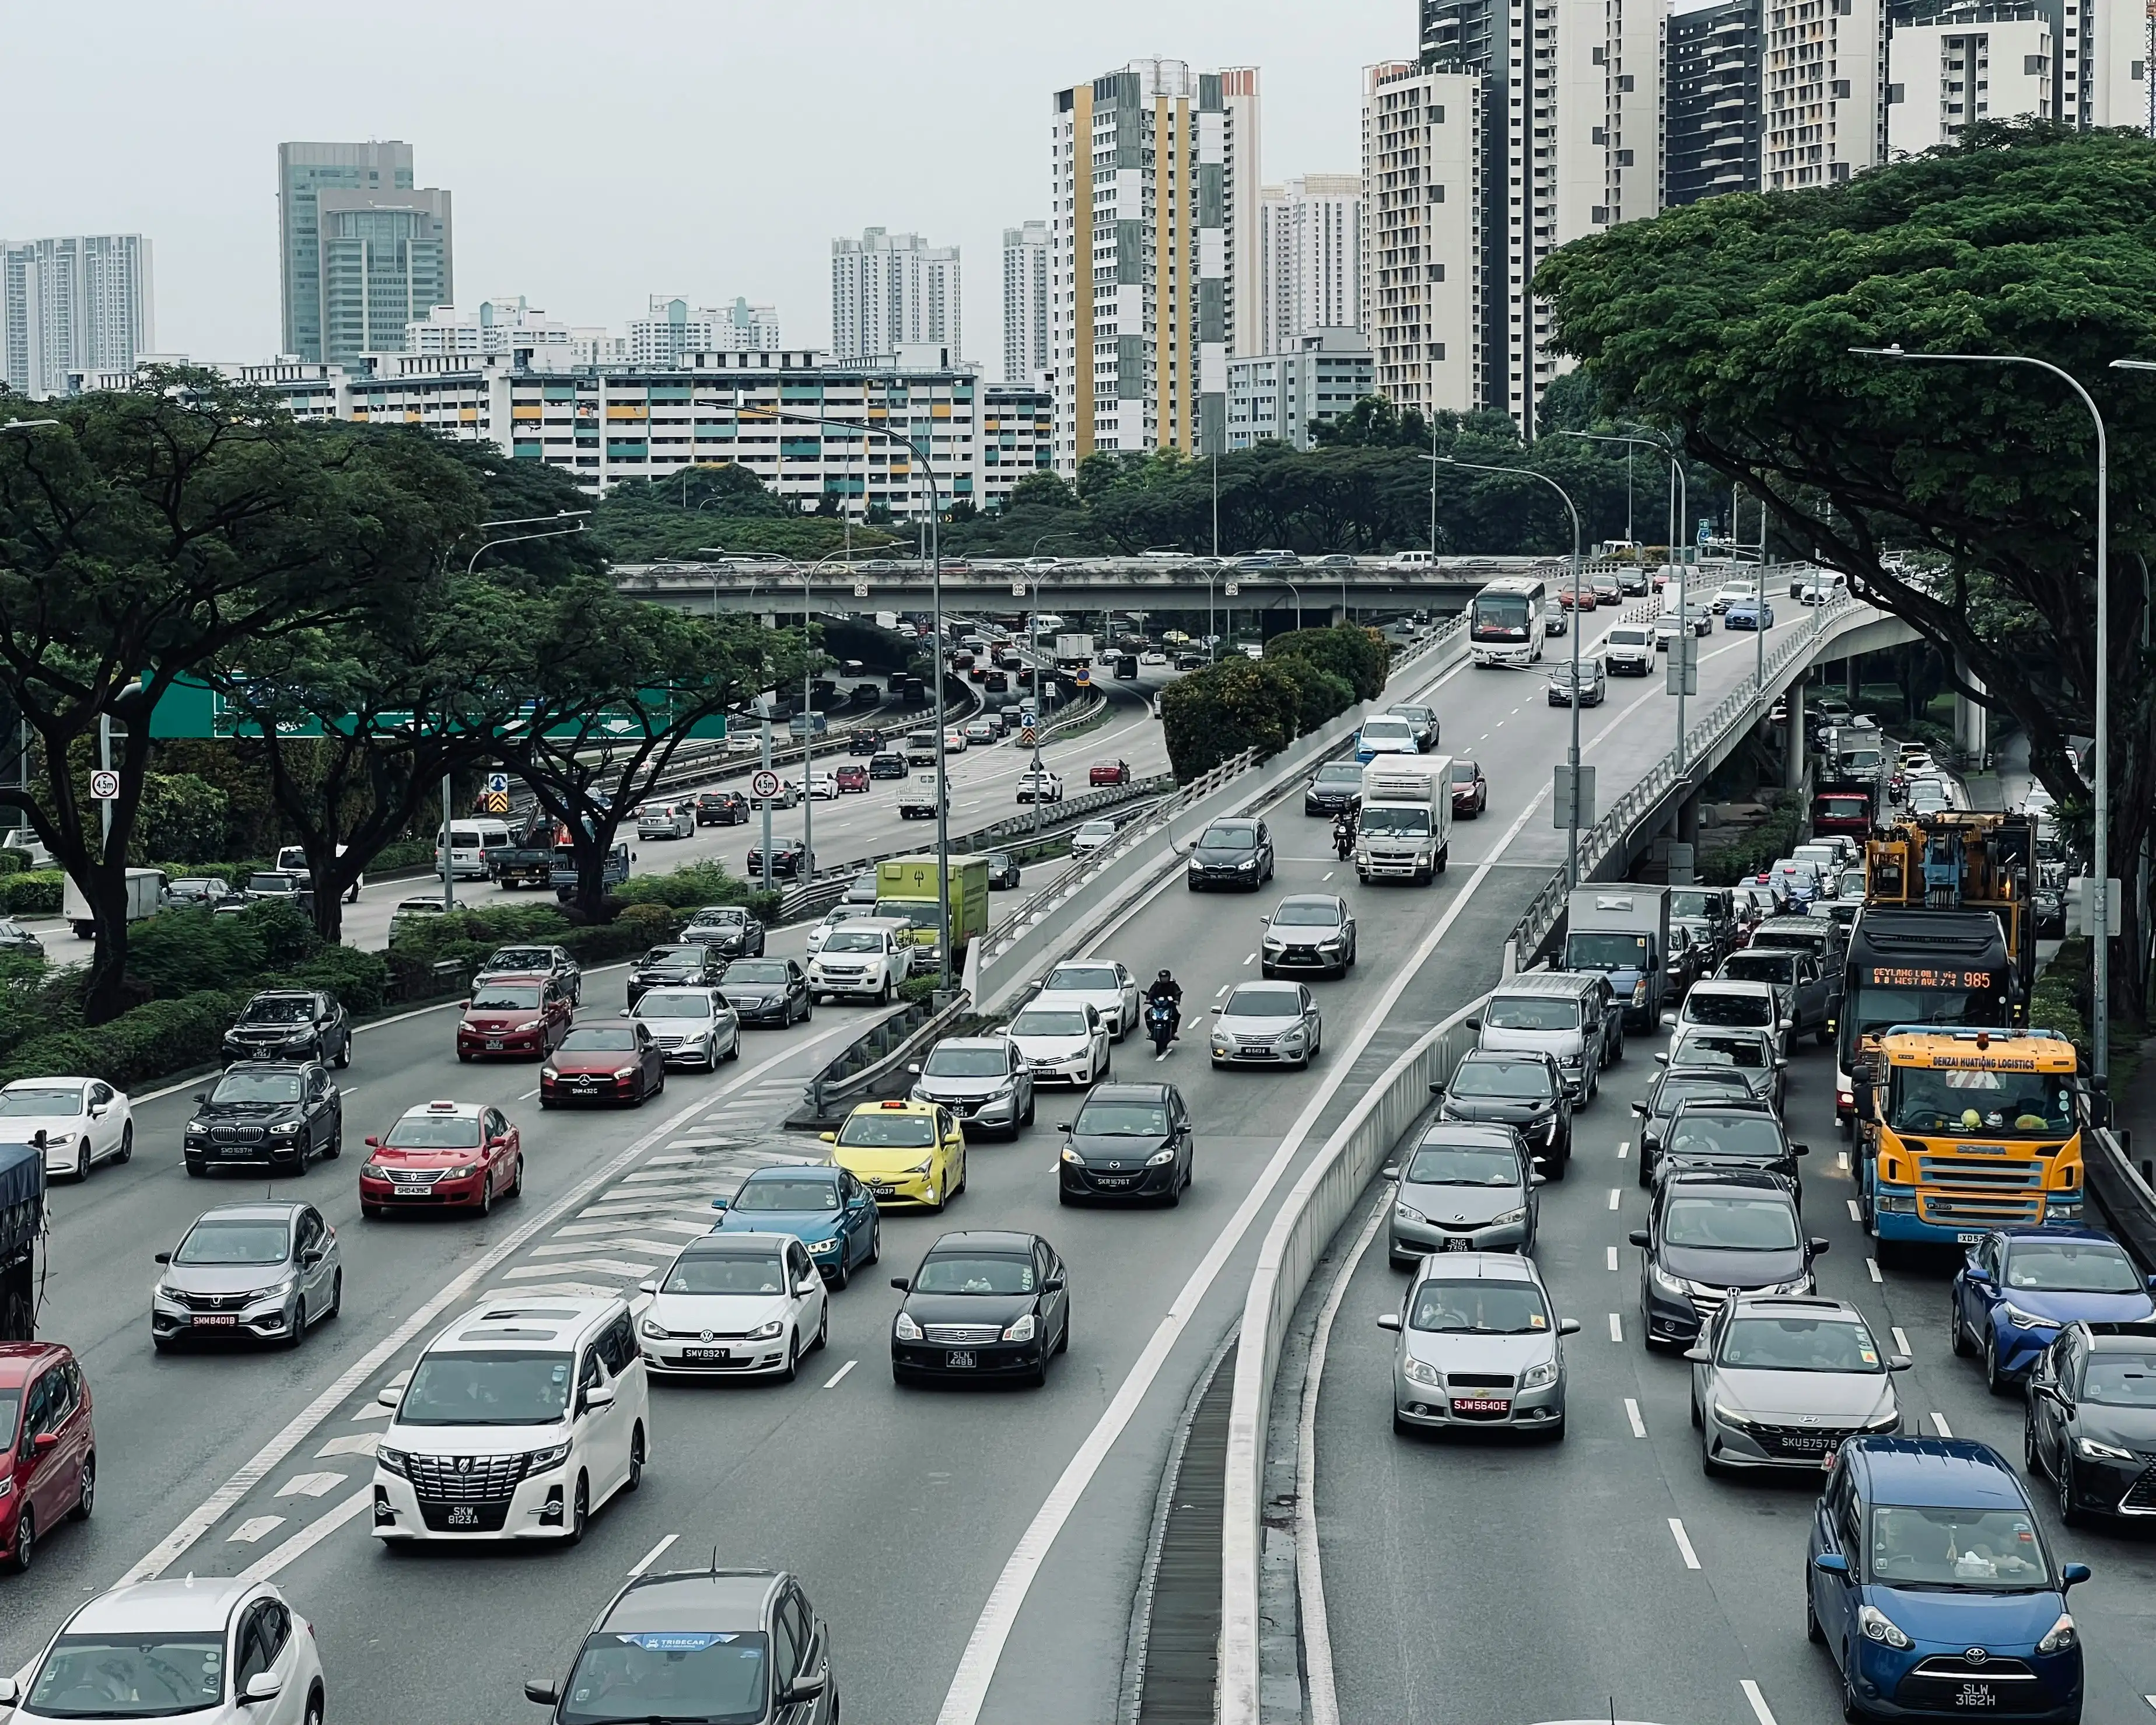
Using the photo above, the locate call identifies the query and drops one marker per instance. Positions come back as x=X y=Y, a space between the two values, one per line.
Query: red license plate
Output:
x=1480 y=1404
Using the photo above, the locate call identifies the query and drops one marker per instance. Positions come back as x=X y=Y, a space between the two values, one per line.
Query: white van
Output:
x=473 y=845
x=569 y=1424
x=1629 y=649
x=292 y=859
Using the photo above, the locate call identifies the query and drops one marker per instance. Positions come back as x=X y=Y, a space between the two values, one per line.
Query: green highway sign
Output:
x=191 y=708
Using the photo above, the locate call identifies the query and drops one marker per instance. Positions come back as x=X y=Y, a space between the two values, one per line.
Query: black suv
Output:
x=266 y=1114
x=1674 y=1085
x=1128 y=1141
x=1525 y=1092
x=889 y=764
x=1728 y=1134
x=721 y=808
x=290 y=1024
x=692 y=965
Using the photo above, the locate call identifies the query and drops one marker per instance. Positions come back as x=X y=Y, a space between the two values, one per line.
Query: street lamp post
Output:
x=1033 y=641
x=2100 y=890
x=1572 y=755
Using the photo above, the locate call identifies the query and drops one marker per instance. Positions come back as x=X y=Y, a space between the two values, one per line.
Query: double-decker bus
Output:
x=1504 y=621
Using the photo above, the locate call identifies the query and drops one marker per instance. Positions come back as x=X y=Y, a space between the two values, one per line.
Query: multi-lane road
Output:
x=976 y=1554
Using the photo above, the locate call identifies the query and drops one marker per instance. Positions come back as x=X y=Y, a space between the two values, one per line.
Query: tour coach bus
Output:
x=1506 y=625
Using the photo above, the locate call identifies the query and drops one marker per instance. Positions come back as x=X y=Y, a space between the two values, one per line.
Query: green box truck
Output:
x=906 y=888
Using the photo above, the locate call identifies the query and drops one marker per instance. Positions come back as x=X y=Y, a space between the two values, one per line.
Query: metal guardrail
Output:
x=867 y=1062
x=2123 y=1190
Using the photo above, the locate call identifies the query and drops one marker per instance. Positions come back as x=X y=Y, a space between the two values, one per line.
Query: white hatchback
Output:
x=735 y=1305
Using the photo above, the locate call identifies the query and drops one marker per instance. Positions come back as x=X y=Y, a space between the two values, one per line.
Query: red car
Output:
x=52 y=1466
x=1471 y=790
x=1109 y=772
x=443 y=1155
x=853 y=776
x=1586 y=598
x=604 y=1063
x=514 y=1015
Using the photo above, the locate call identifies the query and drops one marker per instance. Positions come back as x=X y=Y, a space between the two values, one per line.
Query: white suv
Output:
x=868 y=957
x=521 y=1418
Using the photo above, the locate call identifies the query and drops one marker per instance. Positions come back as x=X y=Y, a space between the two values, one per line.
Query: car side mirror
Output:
x=202 y=1095
x=2074 y=1574
x=901 y=1284
x=622 y=1014
x=809 y=1687
x=915 y=1069
x=720 y=1203
x=1474 y=1023
x=374 y=1143
x=1661 y=1059
x=1899 y=1362
x=1568 y=1327
x=1054 y=1285
x=1536 y=1179
x=599 y=1395
x=1697 y=1356
x=389 y=1395
x=1640 y=1238
x=649 y=1284
x=828 y=1137
x=1389 y=1319
x=1800 y=1149
x=44 y=1442
x=312 y=1256
x=1831 y=1562
x=1787 y=1025
x=1437 y=1090
x=1390 y=1173
x=541 y=1691
x=164 y=1257
x=10 y=1692
x=263 y=1686
x=1816 y=1244
x=1780 y=1062
x=1639 y=1109
x=465 y=1005
x=1669 y=1021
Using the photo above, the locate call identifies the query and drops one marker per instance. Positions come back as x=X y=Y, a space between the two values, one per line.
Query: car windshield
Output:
x=733 y=1272
x=1676 y=1089
x=1753 y=1136
x=974 y=1273
x=2072 y=1266
x=272 y=883
x=1528 y=1013
x=599 y=1039
x=1463 y=771
x=1122 y=1120
x=39 y=1101
x=1731 y=1224
x=235 y=1239
x=1388 y=730
x=1605 y=952
x=1463 y=1165
x=944 y=1062
x=672 y=957
x=1705 y=1006
x=1481 y=1308
x=2111 y=1380
x=1307 y=913
x=787 y=1192
x=1999 y=1104
x=674 y=1004
x=518 y=1387
x=1747 y=1054
x=710 y=1677
x=854 y=940
x=1097 y=829
x=1518 y=1079
x=719 y=916
x=1402 y=821
x=257 y=1087
x=1081 y=979
x=1049 y=1023
x=1800 y=1344
x=1961 y=1550
x=1349 y=777
x=1229 y=839
x=524 y=958
x=882 y=1129
x=1760 y=967
x=1263 y=1004
x=499 y=997
x=434 y=1131
x=278 y=1009
x=768 y=972
x=141 y=1676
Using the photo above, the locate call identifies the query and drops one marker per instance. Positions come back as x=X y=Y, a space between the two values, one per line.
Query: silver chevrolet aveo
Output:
x=1478 y=1348
x=1467 y=1187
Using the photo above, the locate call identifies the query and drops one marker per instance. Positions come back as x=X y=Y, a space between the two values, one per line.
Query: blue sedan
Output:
x=826 y=1208
x=1748 y=614
x=2019 y=1287
x=1929 y=1585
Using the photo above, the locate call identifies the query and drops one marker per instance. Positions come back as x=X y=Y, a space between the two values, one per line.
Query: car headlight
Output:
x=287 y=1129
x=1416 y=1372
x=2026 y=1320
x=906 y=1329
x=1248 y=862
x=1573 y=1059
x=393 y=1459
x=1878 y=1626
x=278 y=1291
x=1639 y=992
x=2060 y=1636
x=625 y=1072
x=824 y=1246
x=1160 y=1159
x=923 y=1166
x=765 y=1331
x=1022 y=1331
x=1801 y=1284
x=1070 y=1155
x=1517 y=1215
x=1409 y=1212
x=372 y=1171
x=1539 y=1376
x=1729 y=1416
x=1667 y=1283
x=519 y=1029
x=1884 y=1422
x=2103 y=1452
x=549 y=1073
x=539 y=1460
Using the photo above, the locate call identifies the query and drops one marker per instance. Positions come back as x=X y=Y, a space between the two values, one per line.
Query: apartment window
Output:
x=1601 y=57
x=1623 y=158
x=1437 y=194
x=1626 y=82
x=1896 y=93
x=1840 y=90
x=1600 y=134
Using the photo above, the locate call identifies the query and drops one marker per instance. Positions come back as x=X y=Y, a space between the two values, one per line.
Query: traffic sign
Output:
x=104 y=785
x=861 y=589
x=1231 y=589
x=765 y=784
x=1083 y=676
x=497 y=802
x=1018 y=589
x=1025 y=736
x=497 y=784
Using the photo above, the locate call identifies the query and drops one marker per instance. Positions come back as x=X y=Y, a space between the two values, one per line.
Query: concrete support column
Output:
x=1688 y=820
x=1972 y=721
x=1849 y=679
x=1793 y=776
x=1336 y=615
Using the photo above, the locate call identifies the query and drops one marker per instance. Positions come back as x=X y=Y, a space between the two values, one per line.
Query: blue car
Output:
x=1929 y=1585
x=826 y=1208
x=2020 y=1286
x=1748 y=614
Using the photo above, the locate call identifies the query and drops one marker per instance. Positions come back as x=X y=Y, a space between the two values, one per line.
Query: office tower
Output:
x=2113 y=39
x=1310 y=244
x=1141 y=280
x=890 y=289
x=671 y=330
x=363 y=251
x=1025 y=303
x=1275 y=397
x=1422 y=278
x=1715 y=64
x=72 y=306
x=1824 y=85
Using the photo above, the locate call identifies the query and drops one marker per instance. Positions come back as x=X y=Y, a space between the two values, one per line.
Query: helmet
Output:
x=1163 y=973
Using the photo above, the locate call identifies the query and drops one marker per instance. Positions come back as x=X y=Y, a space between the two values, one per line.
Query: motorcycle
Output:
x=1343 y=839
x=1160 y=1025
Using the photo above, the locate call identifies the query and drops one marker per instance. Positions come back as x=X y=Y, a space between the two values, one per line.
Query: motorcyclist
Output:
x=1165 y=991
x=1343 y=832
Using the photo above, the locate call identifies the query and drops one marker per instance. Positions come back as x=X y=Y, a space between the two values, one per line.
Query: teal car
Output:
x=826 y=1208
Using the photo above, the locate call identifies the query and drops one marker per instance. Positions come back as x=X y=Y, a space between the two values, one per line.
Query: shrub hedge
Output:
x=32 y=893
x=693 y=884
x=1307 y=676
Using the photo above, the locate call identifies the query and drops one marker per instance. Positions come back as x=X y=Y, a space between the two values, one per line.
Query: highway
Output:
x=974 y=1553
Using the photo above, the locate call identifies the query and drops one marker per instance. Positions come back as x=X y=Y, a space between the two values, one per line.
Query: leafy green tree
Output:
x=1240 y=703
x=1958 y=497
x=1043 y=489
x=1359 y=657
x=181 y=820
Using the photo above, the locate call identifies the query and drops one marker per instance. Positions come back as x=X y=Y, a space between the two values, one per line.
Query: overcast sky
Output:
x=599 y=155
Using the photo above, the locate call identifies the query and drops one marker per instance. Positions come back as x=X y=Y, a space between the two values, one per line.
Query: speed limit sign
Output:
x=104 y=785
x=765 y=784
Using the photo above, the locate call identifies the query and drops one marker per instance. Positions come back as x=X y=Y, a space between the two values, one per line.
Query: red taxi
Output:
x=443 y=1155
x=515 y=1014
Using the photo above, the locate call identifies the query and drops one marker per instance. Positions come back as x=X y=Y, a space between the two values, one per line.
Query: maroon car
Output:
x=51 y=1473
x=852 y=777
x=515 y=1016
x=604 y=1063
x=1471 y=790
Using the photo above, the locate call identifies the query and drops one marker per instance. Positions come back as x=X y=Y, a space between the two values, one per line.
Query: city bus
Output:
x=1504 y=623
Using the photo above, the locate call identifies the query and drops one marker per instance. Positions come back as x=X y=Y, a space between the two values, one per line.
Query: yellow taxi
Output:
x=904 y=1152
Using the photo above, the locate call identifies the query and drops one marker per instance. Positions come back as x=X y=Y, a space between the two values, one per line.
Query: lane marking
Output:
x=832 y=1381
x=308 y=1538
x=352 y=1443
x=1684 y=1544
x=1901 y=1342
x=528 y=1095
x=1939 y=1425
x=1616 y=1196
x=1613 y=1257
x=252 y=1530
x=1327 y=875
x=653 y=1556
x=1616 y=1327
x=310 y=1485
x=1760 y=1711
x=1624 y=1147
x=1872 y=1265
x=1855 y=1214
x=1632 y=1414
x=1248 y=956
x=1841 y=1160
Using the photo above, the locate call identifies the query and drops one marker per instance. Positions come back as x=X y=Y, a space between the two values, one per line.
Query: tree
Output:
x=1958 y=497
x=161 y=527
x=1048 y=491
x=181 y=820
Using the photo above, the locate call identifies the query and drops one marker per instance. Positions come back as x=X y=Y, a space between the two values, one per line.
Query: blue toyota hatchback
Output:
x=2020 y=1286
x=1929 y=1584
x=826 y=1208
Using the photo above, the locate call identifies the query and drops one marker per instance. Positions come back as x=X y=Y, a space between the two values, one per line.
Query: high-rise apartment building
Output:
x=1422 y=278
x=1310 y=250
x=671 y=329
x=1025 y=303
x=1276 y=398
x=1825 y=84
x=1241 y=189
x=363 y=251
x=1952 y=62
x=889 y=291
x=72 y=306
x=1715 y=62
x=1143 y=279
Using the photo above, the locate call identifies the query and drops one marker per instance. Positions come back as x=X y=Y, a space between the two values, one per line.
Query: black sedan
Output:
x=2091 y=1420
x=789 y=861
x=689 y=965
x=1128 y=1141
x=866 y=739
x=1003 y=871
x=290 y=1024
x=981 y=1306
x=1674 y=1085
x=1720 y=1133
x=728 y=930
x=768 y=990
x=721 y=808
x=266 y=1114
x=1335 y=786
x=1525 y=1092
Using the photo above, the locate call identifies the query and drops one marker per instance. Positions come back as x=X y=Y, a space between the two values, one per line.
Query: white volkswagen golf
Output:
x=735 y=1305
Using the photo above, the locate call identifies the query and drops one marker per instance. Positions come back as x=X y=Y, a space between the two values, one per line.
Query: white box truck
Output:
x=1072 y=651
x=146 y=897
x=1623 y=930
x=1406 y=832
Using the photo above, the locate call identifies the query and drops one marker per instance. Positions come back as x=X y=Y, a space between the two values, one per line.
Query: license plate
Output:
x=1976 y=1695
x=705 y=1356
x=883 y=1191
x=1458 y=1243
x=1809 y=1446
x=237 y=1150
x=1968 y=1239
x=225 y=1322
x=1480 y=1404
x=493 y=1042
x=1114 y=1180
x=411 y=1191
x=962 y=1359
x=463 y=1515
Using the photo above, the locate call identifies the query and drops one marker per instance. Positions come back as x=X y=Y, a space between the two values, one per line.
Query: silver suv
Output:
x=1571 y=1015
x=1478 y=1347
x=1779 y=1380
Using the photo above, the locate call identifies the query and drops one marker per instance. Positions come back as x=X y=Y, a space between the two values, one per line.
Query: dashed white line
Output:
x=528 y=1095
x=1616 y=1327
x=1855 y=1214
x=1684 y=1544
x=653 y=1556
x=1616 y=1196
x=1760 y=1711
x=1327 y=875
x=1632 y=1414
x=832 y=1381
x=1841 y=1160
x=1901 y=1342
x=1872 y=1265
x=1624 y=1148
x=1247 y=957
x=1613 y=1257
x=1224 y=989
x=1939 y=1425
x=310 y=1485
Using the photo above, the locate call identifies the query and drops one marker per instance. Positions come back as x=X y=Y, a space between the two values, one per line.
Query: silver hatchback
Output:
x=1478 y=1348
x=1466 y=1188
x=1779 y=1380
x=269 y=1272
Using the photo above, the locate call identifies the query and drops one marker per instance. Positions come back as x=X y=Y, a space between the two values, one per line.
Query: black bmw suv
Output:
x=290 y=1024
x=266 y=1114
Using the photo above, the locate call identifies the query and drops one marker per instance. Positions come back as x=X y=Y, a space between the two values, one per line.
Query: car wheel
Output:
x=1559 y=1165
x=807 y=1010
x=337 y=1295
x=1956 y=1335
x=2032 y=1458
x=26 y=1543
x=635 y=1460
x=792 y=1369
x=82 y=1160
x=823 y=1329
x=315 y=1705
x=336 y=1143
x=1697 y=1424
x=841 y=1276
x=875 y=1244
x=297 y=1335
x=1851 y=1708
x=733 y=1048
x=580 y=1512
x=343 y=1054
x=126 y=1150
x=1993 y=1381
x=486 y=1195
x=1708 y=1464
x=1813 y=1632
x=86 y=1496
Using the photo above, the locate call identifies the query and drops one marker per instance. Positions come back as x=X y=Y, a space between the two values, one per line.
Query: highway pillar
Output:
x=1972 y=720
x=1850 y=684
x=1793 y=750
x=1336 y=615
x=1688 y=820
